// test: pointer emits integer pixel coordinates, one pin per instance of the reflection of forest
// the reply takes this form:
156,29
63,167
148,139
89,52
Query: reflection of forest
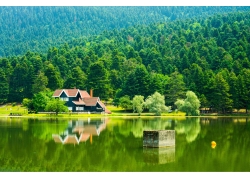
137,126
27,145
80,131
191,128
159,155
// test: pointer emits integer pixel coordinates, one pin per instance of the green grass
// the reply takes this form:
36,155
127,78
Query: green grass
7,109
118,111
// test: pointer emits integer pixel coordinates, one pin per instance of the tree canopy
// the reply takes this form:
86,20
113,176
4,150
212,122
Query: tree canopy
208,55
156,104
190,105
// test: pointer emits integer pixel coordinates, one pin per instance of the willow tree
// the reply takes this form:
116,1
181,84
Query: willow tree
138,102
190,105
156,104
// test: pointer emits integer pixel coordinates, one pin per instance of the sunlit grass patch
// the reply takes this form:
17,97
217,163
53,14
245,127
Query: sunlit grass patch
8,109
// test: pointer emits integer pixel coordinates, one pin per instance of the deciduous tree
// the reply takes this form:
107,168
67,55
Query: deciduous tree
138,103
156,104
56,105
190,105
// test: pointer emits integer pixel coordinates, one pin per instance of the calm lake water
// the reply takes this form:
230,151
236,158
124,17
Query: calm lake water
116,145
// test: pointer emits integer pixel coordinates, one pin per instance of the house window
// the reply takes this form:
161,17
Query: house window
79,108
70,108
64,98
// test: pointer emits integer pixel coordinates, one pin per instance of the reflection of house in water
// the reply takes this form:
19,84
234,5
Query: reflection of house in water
80,131
159,155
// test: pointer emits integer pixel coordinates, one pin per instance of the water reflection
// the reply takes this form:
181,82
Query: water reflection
159,155
136,126
80,131
26,145
191,128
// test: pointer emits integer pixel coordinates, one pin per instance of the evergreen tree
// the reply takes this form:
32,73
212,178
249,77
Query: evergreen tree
4,87
98,80
244,88
175,88
77,79
40,83
137,83
221,99
53,75
18,83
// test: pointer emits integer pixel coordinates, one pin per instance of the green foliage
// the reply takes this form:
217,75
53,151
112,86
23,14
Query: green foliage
138,103
221,100
98,80
41,99
190,105
156,104
19,83
77,79
40,83
196,54
27,103
39,27
56,105
54,78
4,87
125,102
137,82
175,88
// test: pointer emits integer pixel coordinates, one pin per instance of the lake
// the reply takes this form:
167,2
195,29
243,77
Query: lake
115,144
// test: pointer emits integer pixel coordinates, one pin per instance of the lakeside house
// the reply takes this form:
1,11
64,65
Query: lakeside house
81,101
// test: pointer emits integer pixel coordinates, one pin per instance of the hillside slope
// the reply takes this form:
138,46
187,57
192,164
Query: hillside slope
37,28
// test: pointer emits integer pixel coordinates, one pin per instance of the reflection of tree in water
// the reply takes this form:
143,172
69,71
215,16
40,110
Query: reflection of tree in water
137,126
190,127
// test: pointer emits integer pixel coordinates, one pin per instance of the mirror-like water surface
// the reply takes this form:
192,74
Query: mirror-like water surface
116,145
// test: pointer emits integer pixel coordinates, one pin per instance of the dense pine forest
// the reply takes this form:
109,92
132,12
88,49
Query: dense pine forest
174,51
36,28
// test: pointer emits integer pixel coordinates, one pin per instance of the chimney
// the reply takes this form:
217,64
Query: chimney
91,92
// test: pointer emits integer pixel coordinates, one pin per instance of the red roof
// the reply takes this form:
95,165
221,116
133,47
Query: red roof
91,101
84,94
57,93
101,104
71,93
79,102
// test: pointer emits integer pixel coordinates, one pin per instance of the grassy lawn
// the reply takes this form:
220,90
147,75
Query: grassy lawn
118,111
7,109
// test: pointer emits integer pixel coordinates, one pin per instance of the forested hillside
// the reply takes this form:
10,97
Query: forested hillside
209,56
37,28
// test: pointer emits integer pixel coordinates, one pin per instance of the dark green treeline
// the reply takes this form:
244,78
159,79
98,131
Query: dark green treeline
209,56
